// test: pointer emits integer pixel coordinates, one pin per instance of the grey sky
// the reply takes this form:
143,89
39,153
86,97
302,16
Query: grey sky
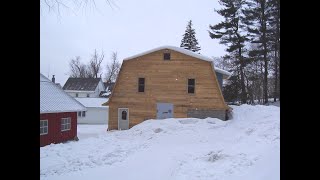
130,28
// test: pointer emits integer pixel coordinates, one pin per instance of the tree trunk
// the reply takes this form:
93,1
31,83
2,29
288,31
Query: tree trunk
264,43
243,86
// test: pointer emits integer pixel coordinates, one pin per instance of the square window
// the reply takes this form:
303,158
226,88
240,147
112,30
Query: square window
65,124
166,56
43,127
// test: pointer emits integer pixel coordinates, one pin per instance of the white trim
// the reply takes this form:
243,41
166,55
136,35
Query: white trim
127,117
76,110
65,124
44,127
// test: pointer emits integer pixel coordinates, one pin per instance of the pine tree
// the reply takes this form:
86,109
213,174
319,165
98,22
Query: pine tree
229,31
275,38
257,16
189,40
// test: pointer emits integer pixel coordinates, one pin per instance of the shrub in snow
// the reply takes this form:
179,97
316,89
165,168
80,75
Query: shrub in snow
157,130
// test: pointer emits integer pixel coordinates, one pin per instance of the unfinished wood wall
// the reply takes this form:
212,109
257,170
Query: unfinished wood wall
165,81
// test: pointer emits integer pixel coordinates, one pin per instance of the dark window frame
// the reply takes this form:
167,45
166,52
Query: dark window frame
77,95
141,85
124,115
167,56
83,114
88,95
191,86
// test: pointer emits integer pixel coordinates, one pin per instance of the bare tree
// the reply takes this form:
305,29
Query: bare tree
55,5
94,67
113,68
77,69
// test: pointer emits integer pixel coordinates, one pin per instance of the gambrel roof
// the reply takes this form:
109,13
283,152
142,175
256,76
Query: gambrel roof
54,99
225,74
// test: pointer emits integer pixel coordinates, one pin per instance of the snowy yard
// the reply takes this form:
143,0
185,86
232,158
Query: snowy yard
246,147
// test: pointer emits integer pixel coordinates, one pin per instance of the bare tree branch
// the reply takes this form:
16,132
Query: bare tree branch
95,63
113,68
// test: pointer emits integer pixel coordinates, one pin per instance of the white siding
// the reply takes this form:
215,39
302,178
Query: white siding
98,89
95,115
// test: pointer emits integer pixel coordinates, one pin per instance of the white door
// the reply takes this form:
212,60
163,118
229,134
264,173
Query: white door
123,118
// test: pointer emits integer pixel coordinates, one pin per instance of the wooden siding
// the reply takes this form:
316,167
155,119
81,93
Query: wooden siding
165,81
55,135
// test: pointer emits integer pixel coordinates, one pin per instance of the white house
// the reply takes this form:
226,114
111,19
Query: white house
84,87
96,113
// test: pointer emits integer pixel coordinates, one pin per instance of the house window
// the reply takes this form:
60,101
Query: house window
65,124
43,127
124,115
88,95
191,86
83,114
141,85
79,114
166,56
77,94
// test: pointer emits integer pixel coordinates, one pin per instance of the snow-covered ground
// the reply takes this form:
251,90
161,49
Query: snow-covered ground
246,147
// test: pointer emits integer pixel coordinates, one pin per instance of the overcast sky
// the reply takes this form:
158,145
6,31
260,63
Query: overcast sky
129,28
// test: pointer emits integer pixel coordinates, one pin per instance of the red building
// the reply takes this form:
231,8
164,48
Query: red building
58,113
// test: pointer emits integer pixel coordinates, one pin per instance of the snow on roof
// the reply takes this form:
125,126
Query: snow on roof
183,51
54,99
92,102
225,73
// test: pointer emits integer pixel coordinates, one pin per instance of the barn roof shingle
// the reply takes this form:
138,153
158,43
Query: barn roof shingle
81,84
54,99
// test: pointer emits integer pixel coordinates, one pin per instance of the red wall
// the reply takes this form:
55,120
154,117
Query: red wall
55,135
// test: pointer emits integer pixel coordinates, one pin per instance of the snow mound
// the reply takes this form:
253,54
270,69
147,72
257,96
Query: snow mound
246,147
188,121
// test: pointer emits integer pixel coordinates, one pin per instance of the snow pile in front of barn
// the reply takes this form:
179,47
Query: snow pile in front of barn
246,147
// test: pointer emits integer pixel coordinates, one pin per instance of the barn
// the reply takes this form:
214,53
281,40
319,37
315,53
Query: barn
58,113
166,82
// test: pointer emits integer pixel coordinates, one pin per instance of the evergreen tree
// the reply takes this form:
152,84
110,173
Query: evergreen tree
189,40
275,37
229,31
257,18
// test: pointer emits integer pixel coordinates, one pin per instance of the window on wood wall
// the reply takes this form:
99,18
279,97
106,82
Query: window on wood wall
141,84
88,95
166,56
43,127
65,124
191,86
79,114
83,114
77,94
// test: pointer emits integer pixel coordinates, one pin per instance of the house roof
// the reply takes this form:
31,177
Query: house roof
54,99
108,85
226,74
92,102
81,84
